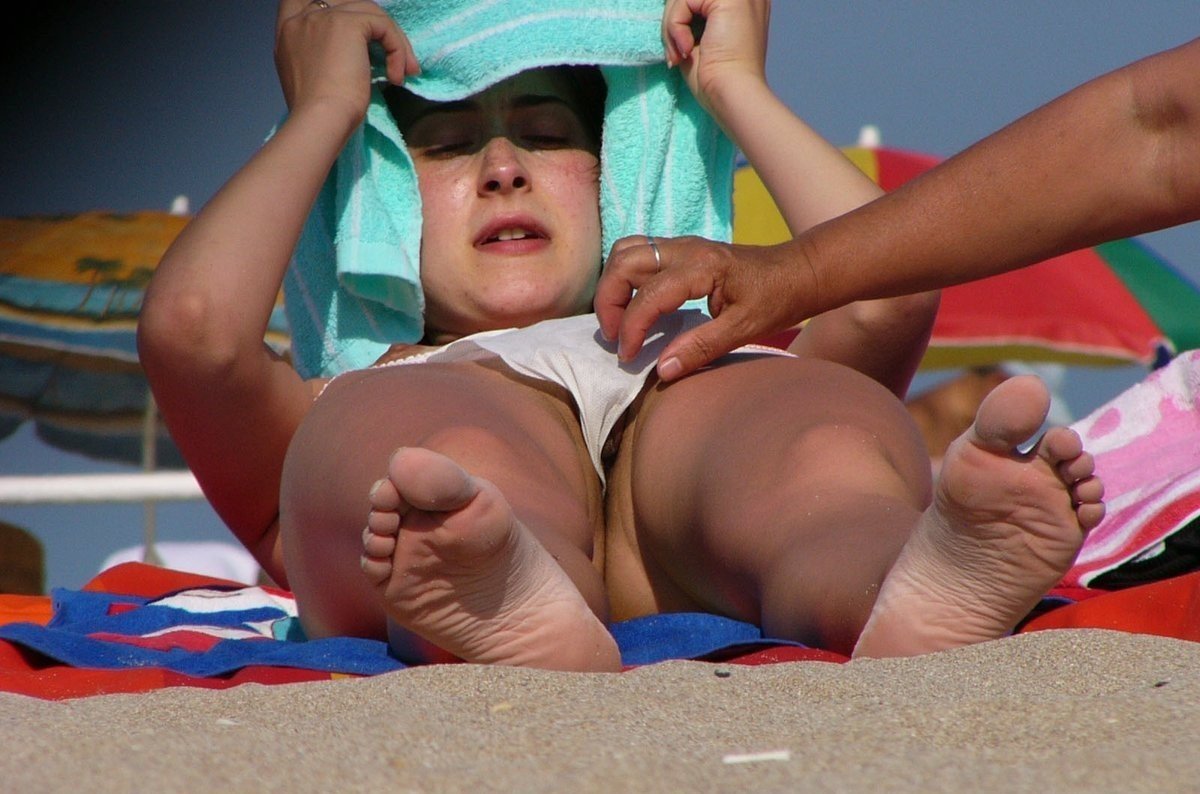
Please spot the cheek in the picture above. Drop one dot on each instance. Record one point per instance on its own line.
(579, 195)
(442, 198)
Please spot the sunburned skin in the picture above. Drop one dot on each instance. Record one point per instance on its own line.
(509, 182)
(1002, 530)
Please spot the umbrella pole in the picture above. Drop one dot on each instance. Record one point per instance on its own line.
(150, 445)
(149, 462)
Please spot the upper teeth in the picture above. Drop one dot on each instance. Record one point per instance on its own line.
(512, 234)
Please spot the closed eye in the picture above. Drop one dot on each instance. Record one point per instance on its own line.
(546, 141)
(450, 149)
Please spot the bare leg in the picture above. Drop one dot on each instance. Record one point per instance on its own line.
(773, 490)
(1003, 528)
(523, 441)
(783, 491)
(455, 566)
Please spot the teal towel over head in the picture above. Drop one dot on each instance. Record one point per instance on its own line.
(666, 168)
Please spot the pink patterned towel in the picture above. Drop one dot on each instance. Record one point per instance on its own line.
(1147, 448)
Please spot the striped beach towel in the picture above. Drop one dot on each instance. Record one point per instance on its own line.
(1147, 447)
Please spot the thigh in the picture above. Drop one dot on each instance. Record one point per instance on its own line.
(517, 433)
(729, 471)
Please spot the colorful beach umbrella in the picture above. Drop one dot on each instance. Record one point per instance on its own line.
(70, 291)
(1115, 303)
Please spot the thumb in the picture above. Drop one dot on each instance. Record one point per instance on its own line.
(694, 349)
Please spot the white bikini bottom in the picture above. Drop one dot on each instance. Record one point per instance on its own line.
(571, 353)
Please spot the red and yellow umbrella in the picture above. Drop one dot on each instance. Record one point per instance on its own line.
(1115, 303)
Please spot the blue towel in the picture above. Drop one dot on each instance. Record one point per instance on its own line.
(215, 631)
(666, 168)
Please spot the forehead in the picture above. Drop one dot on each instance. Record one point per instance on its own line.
(532, 87)
(553, 83)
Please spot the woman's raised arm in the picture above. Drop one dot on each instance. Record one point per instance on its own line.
(230, 403)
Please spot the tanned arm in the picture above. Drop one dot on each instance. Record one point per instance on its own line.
(1117, 156)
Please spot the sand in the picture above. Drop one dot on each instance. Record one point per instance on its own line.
(1059, 710)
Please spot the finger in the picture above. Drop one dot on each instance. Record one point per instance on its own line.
(629, 264)
(662, 294)
(400, 60)
(677, 31)
(287, 10)
(317, 6)
(702, 345)
(413, 66)
(399, 56)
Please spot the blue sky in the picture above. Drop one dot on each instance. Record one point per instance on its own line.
(123, 106)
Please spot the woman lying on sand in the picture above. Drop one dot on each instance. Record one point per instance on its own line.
(448, 499)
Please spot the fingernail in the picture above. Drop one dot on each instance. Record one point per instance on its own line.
(670, 369)
(678, 46)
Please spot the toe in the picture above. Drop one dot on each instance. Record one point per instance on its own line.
(1011, 413)
(1088, 491)
(384, 496)
(376, 569)
(431, 481)
(1060, 444)
(383, 523)
(375, 545)
(1090, 515)
(1077, 468)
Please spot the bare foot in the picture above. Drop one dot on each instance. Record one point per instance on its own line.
(1002, 530)
(455, 567)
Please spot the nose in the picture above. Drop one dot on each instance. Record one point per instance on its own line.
(502, 169)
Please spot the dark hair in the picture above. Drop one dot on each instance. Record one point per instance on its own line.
(586, 81)
(589, 83)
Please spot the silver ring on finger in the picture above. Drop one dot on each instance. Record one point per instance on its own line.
(321, 4)
(657, 256)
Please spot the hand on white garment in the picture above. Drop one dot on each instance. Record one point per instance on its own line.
(752, 292)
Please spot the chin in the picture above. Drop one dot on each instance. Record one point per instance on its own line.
(528, 313)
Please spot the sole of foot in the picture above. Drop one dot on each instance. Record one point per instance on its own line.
(1003, 528)
(454, 566)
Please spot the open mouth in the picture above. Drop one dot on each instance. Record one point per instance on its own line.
(512, 233)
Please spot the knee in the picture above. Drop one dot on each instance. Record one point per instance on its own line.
(831, 437)
(503, 455)
(829, 445)
(845, 455)
(468, 442)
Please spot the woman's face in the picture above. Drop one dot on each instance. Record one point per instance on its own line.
(509, 182)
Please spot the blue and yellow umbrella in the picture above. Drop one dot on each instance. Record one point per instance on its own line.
(70, 291)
